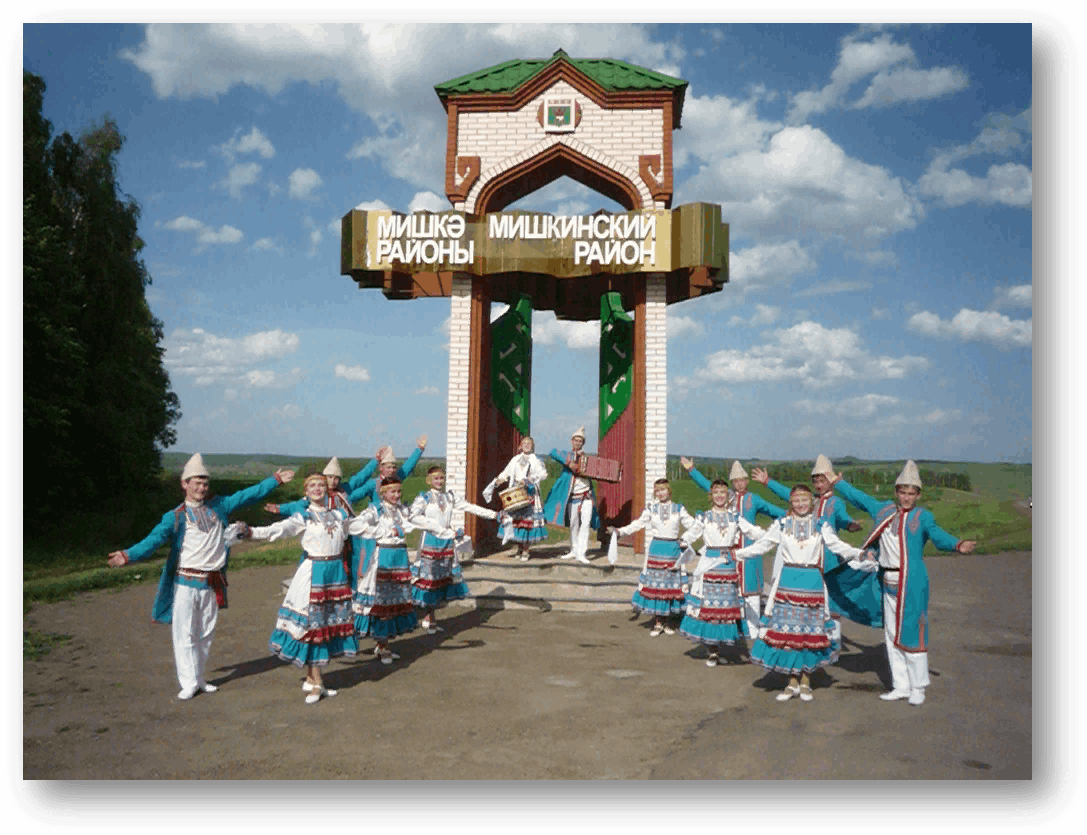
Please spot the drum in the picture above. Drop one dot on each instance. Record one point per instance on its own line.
(515, 498)
(603, 469)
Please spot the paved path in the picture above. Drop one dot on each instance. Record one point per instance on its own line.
(515, 694)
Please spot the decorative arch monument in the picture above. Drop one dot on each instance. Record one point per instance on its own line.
(512, 129)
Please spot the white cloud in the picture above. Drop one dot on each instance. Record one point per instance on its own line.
(975, 326)
(856, 61)
(208, 358)
(302, 183)
(802, 179)
(315, 235)
(289, 411)
(190, 164)
(807, 353)
(827, 288)
(881, 313)
(578, 336)
(766, 266)
(863, 406)
(267, 245)
(908, 84)
(205, 235)
(354, 373)
(1010, 183)
(714, 126)
(372, 206)
(385, 70)
(1018, 295)
(264, 378)
(239, 176)
(675, 327)
(428, 201)
(253, 142)
(427, 390)
(765, 314)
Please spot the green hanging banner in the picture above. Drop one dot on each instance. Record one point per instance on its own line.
(511, 364)
(616, 360)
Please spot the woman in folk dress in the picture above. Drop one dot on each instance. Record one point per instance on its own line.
(661, 584)
(382, 603)
(314, 622)
(715, 606)
(436, 576)
(526, 525)
(797, 635)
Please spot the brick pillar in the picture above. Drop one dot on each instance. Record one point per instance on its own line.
(456, 443)
(656, 382)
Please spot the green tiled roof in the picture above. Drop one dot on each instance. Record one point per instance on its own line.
(609, 73)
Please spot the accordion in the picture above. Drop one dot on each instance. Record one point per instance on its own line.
(603, 469)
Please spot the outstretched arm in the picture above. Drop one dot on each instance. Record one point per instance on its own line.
(763, 544)
(159, 536)
(857, 497)
(251, 495)
(409, 465)
(361, 477)
(776, 487)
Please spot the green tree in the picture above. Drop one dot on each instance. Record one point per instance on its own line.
(97, 399)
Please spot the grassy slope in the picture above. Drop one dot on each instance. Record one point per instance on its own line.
(73, 559)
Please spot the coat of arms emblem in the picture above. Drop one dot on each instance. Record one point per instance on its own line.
(559, 114)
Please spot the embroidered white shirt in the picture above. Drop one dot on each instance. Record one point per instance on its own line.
(434, 510)
(203, 547)
(323, 531)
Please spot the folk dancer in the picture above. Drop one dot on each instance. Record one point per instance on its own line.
(337, 498)
(661, 584)
(525, 525)
(573, 497)
(833, 509)
(382, 603)
(901, 529)
(748, 505)
(436, 576)
(314, 623)
(796, 634)
(192, 587)
(715, 607)
(387, 468)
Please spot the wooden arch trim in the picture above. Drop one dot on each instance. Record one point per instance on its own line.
(547, 166)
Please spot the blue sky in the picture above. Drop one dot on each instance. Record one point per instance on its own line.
(877, 181)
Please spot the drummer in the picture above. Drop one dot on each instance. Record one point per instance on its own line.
(573, 496)
(523, 524)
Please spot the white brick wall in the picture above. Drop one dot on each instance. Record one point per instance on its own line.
(615, 138)
(456, 442)
(656, 382)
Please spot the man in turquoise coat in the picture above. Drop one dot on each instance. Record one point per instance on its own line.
(573, 497)
(192, 587)
(832, 508)
(748, 505)
(901, 585)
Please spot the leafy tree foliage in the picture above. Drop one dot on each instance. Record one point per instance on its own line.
(97, 403)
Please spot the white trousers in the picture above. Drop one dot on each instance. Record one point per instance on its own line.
(752, 614)
(194, 616)
(909, 670)
(581, 522)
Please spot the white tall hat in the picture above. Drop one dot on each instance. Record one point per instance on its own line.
(194, 467)
(333, 468)
(388, 457)
(579, 433)
(822, 466)
(909, 477)
(737, 471)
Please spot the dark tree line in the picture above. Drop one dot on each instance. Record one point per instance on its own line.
(97, 404)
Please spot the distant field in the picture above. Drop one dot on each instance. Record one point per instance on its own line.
(72, 558)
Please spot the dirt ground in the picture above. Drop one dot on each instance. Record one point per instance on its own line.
(516, 694)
